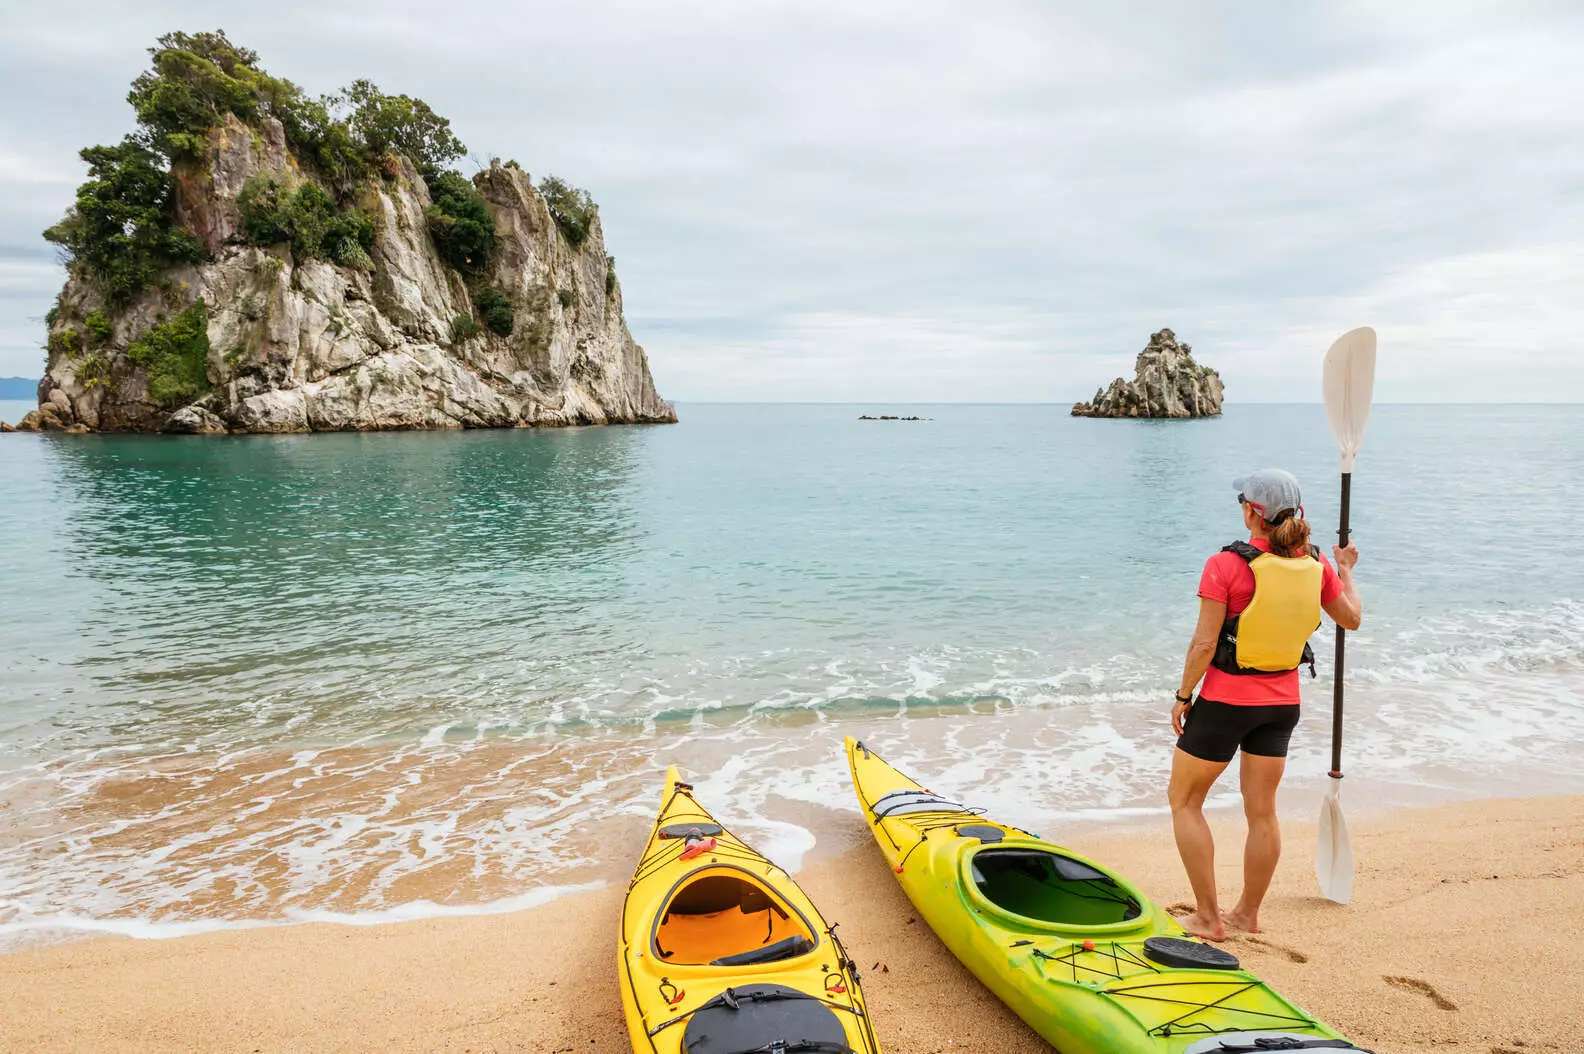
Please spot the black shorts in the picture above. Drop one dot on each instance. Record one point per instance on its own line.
(1214, 731)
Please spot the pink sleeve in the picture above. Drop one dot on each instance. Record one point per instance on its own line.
(1330, 582)
(1213, 583)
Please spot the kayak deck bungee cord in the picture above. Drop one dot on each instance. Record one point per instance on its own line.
(722, 953)
(1089, 962)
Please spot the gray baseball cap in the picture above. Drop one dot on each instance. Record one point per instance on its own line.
(1272, 491)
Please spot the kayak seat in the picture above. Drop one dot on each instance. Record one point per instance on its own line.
(722, 913)
(790, 948)
(1044, 885)
(763, 1017)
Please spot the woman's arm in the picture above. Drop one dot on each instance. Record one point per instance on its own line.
(1347, 610)
(1212, 613)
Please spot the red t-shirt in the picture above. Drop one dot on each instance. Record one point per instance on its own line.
(1227, 579)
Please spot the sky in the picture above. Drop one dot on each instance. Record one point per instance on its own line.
(922, 201)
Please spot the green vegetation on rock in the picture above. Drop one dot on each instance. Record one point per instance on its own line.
(571, 208)
(119, 232)
(610, 275)
(497, 311)
(99, 327)
(195, 79)
(176, 356)
(400, 124)
(94, 371)
(464, 327)
(275, 211)
(460, 222)
(64, 341)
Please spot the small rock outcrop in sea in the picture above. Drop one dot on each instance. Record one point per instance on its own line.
(312, 266)
(1167, 382)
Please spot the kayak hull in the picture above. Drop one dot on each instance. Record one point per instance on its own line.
(1086, 959)
(720, 950)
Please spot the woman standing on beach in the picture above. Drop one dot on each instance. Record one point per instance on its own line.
(1259, 602)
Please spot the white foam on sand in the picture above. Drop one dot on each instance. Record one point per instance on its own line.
(152, 929)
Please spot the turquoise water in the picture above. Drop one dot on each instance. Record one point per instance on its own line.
(259, 676)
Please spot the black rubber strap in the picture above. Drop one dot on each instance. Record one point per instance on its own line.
(1284, 1043)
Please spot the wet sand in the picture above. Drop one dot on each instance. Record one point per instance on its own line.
(1463, 934)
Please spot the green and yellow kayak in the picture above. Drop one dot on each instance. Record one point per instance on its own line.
(1092, 964)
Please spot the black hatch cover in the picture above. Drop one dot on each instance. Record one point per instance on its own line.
(982, 831)
(764, 1017)
(683, 830)
(1174, 951)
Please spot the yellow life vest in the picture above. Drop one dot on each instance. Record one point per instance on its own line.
(1272, 634)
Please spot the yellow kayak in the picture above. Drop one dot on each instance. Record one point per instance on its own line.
(1092, 964)
(722, 953)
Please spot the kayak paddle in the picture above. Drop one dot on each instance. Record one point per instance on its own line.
(1349, 384)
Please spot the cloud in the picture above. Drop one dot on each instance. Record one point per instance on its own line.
(922, 201)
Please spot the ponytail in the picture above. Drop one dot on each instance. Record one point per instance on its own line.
(1289, 534)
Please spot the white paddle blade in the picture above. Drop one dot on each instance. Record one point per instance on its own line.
(1334, 854)
(1349, 386)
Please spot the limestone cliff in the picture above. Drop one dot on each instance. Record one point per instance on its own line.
(1167, 382)
(304, 344)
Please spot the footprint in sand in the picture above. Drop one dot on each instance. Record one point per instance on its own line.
(1412, 984)
(1292, 955)
(1180, 909)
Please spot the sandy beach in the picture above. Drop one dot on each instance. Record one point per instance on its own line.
(1462, 935)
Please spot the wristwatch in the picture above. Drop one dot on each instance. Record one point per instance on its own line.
(1179, 697)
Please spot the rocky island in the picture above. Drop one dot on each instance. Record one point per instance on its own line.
(1167, 382)
(255, 260)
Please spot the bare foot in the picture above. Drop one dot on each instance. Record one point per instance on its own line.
(1209, 928)
(1240, 920)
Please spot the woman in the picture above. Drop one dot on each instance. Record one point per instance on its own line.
(1259, 602)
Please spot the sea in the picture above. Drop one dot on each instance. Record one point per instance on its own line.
(358, 677)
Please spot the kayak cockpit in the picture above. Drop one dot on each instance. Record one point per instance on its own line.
(725, 917)
(1049, 887)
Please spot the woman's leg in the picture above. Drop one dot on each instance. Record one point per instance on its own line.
(1191, 780)
(1261, 776)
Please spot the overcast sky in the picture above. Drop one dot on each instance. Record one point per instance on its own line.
(948, 201)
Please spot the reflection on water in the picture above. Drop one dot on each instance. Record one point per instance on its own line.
(248, 676)
(289, 576)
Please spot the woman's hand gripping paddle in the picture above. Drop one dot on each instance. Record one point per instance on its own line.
(1349, 385)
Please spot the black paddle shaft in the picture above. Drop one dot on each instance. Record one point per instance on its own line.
(1336, 695)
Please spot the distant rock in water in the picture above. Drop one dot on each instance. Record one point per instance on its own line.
(295, 278)
(1167, 383)
(889, 417)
